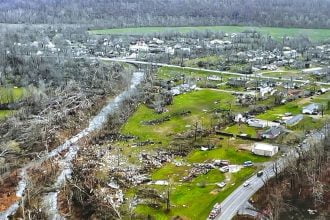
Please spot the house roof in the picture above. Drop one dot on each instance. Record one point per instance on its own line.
(311, 107)
(294, 119)
(273, 131)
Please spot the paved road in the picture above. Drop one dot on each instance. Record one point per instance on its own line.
(241, 195)
(206, 70)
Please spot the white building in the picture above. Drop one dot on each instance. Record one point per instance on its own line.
(263, 149)
(169, 50)
(216, 41)
(214, 78)
(140, 46)
(239, 118)
(258, 123)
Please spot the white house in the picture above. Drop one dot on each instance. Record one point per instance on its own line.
(140, 46)
(158, 41)
(216, 41)
(263, 149)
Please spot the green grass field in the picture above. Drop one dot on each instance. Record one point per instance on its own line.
(200, 103)
(278, 111)
(8, 95)
(286, 74)
(226, 152)
(172, 72)
(242, 129)
(11, 94)
(278, 33)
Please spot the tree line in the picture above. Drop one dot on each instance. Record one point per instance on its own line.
(124, 13)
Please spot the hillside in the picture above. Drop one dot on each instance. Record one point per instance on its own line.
(123, 13)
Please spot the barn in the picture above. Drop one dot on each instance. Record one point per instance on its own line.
(263, 149)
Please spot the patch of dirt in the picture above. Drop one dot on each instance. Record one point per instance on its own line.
(247, 147)
(214, 192)
(8, 191)
(304, 101)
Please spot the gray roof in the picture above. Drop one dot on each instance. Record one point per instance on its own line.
(295, 119)
(312, 107)
(273, 131)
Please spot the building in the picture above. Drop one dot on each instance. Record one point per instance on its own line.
(139, 47)
(214, 78)
(294, 120)
(258, 123)
(237, 82)
(239, 118)
(263, 149)
(311, 109)
(272, 132)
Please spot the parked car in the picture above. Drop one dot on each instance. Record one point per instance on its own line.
(247, 164)
(224, 169)
(222, 184)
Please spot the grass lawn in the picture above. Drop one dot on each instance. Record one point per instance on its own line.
(276, 112)
(170, 171)
(307, 124)
(286, 74)
(9, 95)
(228, 151)
(172, 72)
(200, 103)
(242, 129)
(278, 33)
(211, 62)
(4, 113)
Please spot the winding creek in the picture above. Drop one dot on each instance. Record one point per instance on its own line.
(65, 163)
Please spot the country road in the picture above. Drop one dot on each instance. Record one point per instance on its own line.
(207, 70)
(231, 205)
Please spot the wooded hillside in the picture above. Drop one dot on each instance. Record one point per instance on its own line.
(122, 13)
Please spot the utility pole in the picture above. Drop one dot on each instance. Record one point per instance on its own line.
(168, 205)
(196, 126)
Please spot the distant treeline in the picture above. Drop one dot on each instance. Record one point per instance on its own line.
(128, 13)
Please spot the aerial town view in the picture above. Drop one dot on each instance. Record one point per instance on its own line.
(164, 109)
